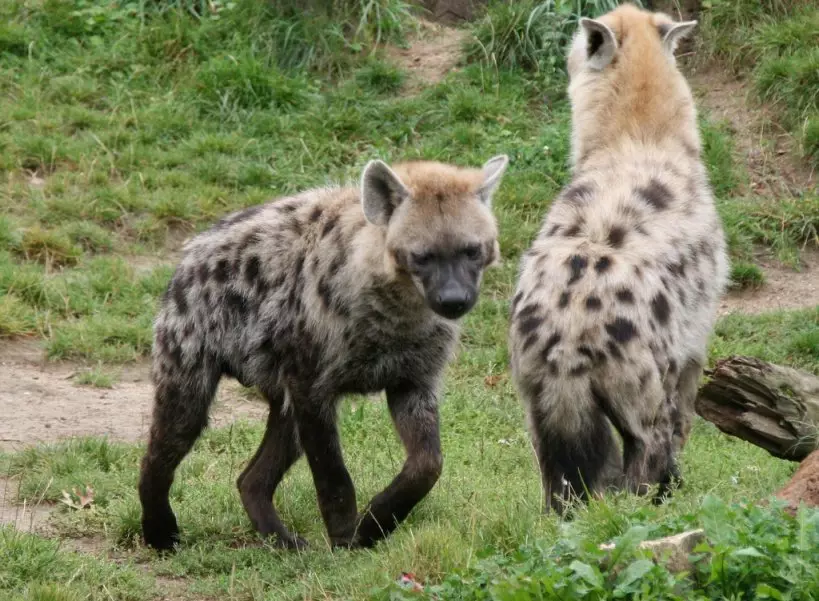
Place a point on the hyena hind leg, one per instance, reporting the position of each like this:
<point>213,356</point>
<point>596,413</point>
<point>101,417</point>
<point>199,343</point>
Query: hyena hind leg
<point>257,484</point>
<point>179,416</point>
<point>575,464</point>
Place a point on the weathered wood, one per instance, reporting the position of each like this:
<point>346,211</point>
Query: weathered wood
<point>771,406</point>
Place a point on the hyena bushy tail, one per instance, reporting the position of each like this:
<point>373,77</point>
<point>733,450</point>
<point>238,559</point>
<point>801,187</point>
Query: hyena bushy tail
<point>578,454</point>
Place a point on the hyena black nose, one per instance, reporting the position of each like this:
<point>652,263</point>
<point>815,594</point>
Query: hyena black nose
<point>453,303</point>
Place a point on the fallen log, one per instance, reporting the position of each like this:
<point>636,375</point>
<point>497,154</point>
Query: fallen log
<point>771,406</point>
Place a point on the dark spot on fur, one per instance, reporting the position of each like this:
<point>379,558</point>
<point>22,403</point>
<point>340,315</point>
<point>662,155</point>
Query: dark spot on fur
<point>286,207</point>
<point>315,214</point>
<point>602,265</point>
<point>576,194</point>
<point>672,366</point>
<point>516,301</point>
<point>329,225</point>
<point>677,269</point>
<point>616,236</point>
<point>656,194</point>
<point>552,365</point>
<point>528,310</point>
<point>222,271</point>
<point>180,285</point>
<point>614,350</point>
<point>550,344</point>
<point>624,295</point>
<point>660,308</point>
<point>579,370</point>
<point>644,380</point>
<point>577,265</point>
<point>573,230</point>
<point>593,303</point>
<point>586,352</point>
<point>203,272</point>
<point>564,300</point>
<point>638,272</point>
<point>252,266</point>
<point>298,267</point>
<point>621,329</point>
<point>529,342</point>
<point>335,265</point>
<point>553,230</point>
<point>529,325</point>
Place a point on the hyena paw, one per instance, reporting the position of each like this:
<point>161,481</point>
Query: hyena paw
<point>160,533</point>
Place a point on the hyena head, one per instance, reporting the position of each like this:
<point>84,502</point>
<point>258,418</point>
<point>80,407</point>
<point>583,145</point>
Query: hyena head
<point>440,230</point>
<point>623,79</point>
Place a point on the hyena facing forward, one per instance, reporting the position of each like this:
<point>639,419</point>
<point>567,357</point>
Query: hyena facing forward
<point>618,294</point>
<point>333,291</point>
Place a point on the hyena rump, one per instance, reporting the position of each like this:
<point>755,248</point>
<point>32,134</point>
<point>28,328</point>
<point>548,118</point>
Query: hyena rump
<point>333,291</point>
<point>618,294</point>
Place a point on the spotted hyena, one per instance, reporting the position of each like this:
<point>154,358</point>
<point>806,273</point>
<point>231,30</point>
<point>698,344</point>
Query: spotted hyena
<point>618,294</point>
<point>334,291</point>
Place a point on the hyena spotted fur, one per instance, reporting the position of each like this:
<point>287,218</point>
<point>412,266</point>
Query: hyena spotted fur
<point>618,294</point>
<point>333,291</point>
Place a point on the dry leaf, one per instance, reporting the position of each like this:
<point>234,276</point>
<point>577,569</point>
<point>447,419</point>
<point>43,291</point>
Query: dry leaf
<point>83,500</point>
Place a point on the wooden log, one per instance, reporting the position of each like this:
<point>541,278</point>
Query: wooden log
<point>771,406</point>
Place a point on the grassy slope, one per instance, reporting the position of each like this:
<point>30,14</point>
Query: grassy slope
<point>123,132</point>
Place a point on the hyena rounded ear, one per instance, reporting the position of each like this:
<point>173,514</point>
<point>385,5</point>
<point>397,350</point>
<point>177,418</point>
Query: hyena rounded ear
<point>381,192</point>
<point>673,33</point>
<point>601,44</point>
<point>493,170</point>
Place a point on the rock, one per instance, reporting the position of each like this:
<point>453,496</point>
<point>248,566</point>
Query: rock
<point>673,551</point>
<point>804,485</point>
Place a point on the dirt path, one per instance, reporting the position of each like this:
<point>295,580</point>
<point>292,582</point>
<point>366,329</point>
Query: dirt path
<point>42,403</point>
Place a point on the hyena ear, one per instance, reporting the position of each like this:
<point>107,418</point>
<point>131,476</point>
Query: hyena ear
<point>601,45</point>
<point>673,33</point>
<point>493,170</point>
<point>381,192</point>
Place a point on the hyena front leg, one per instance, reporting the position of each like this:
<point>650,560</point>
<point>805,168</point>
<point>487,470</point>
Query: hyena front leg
<point>319,438</point>
<point>279,450</point>
<point>180,414</point>
<point>414,412</point>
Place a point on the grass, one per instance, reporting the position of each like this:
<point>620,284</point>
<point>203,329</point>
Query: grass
<point>773,41</point>
<point>126,128</point>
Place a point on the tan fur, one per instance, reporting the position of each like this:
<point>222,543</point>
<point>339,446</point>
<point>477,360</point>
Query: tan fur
<point>618,294</point>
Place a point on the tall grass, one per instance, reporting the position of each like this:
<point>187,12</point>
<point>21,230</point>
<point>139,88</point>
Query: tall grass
<point>529,34</point>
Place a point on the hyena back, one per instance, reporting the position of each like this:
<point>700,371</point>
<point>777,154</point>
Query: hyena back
<point>334,291</point>
<point>618,294</point>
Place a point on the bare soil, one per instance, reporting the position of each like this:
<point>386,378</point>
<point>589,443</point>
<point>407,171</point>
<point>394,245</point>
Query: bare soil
<point>768,151</point>
<point>42,403</point>
<point>784,287</point>
<point>432,54</point>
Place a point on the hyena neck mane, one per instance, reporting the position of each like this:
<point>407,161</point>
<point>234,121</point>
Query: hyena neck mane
<point>626,91</point>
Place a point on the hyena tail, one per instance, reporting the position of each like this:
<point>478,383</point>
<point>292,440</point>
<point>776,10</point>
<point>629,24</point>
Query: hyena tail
<point>181,404</point>
<point>575,461</point>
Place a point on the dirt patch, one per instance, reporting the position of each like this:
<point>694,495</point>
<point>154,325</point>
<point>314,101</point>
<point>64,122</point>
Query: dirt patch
<point>769,152</point>
<point>432,54</point>
<point>47,405</point>
<point>22,514</point>
<point>784,288</point>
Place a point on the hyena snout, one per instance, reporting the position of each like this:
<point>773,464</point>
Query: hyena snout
<point>451,289</point>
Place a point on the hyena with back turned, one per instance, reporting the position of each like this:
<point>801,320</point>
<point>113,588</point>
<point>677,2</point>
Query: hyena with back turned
<point>333,291</point>
<point>618,294</point>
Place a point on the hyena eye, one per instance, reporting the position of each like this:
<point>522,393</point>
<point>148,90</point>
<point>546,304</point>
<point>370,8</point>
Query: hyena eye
<point>422,260</point>
<point>472,252</point>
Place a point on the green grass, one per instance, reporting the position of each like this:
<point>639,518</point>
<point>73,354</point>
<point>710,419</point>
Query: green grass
<point>126,128</point>
<point>774,41</point>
